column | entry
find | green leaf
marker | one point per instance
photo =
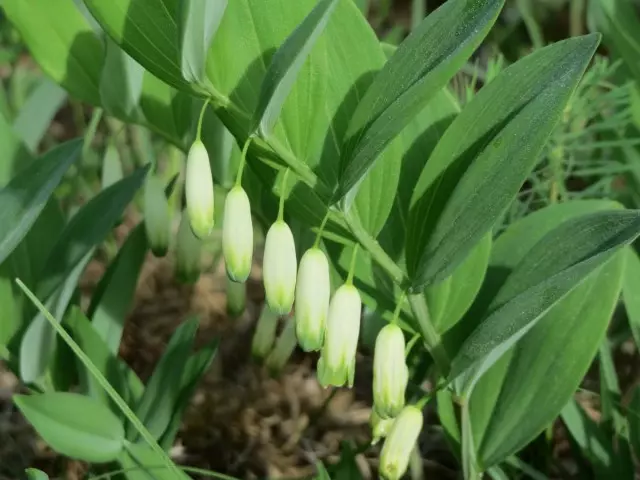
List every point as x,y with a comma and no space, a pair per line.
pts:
13,154
196,367
120,82
36,114
478,167
161,395
35,474
112,298
633,416
115,370
555,265
142,463
443,43
286,63
199,20
88,228
73,425
62,42
27,193
111,166
631,292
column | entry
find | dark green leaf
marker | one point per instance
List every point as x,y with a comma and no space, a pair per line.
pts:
115,370
559,262
196,367
199,20
633,416
35,474
62,42
631,292
112,298
161,395
286,64
27,193
120,82
73,425
420,67
87,229
486,154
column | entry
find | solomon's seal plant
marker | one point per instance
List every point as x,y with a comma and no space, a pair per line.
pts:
369,150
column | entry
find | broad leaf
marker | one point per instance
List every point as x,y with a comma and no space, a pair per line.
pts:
419,68
115,370
554,266
286,63
161,395
120,82
199,20
73,425
631,292
142,463
486,154
112,298
62,42
27,193
88,228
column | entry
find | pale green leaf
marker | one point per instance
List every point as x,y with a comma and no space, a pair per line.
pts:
120,82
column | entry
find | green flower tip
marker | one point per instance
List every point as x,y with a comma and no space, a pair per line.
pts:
390,372
337,362
237,235
199,190
279,268
400,441
312,299
380,427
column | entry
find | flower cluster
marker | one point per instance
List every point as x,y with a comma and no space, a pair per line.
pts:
330,325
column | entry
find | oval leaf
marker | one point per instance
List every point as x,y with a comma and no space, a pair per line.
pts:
478,166
120,82
73,425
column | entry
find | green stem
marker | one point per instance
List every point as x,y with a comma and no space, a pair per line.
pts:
201,118
530,23
199,471
322,225
411,343
104,383
576,14
243,159
283,188
396,312
352,266
431,336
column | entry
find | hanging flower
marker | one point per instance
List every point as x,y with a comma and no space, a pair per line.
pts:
390,372
400,441
237,235
279,268
199,190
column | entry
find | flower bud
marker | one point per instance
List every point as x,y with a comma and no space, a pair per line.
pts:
380,427
157,218
312,299
283,349
337,362
390,372
265,333
199,190
279,268
188,253
237,235
400,441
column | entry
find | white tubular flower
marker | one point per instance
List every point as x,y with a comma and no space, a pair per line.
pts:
188,253
312,299
279,268
380,427
199,190
337,362
400,441
390,372
157,217
237,235
265,333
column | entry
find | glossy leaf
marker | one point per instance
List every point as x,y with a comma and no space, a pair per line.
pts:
161,395
559,262
27,193
199,20
62,42
35,474
419,68
37,113
195,369
115,370
286,63
478,167
87,229
120,82
74,425
631,292
113,296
